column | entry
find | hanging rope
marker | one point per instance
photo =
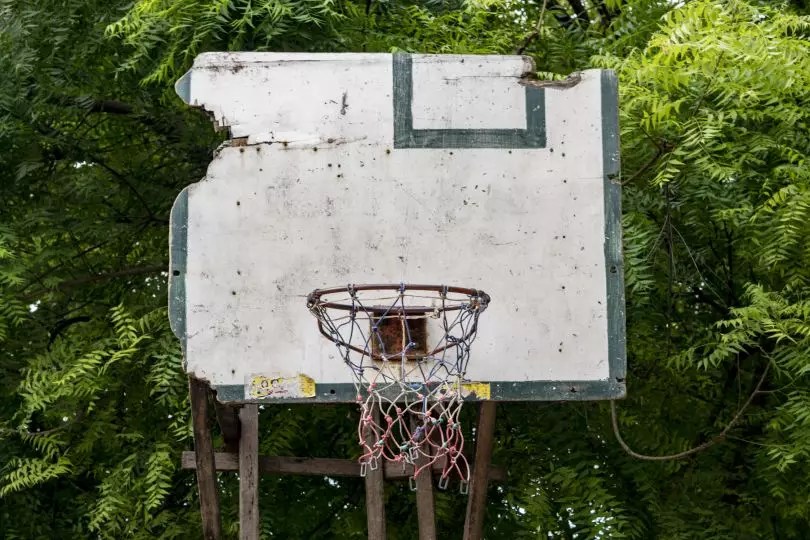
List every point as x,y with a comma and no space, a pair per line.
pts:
716,439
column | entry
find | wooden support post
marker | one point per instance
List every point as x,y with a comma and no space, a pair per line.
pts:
477,502
375,497
204,461
249,473
425,508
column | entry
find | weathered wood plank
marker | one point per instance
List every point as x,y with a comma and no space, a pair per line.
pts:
375,497
204,461
249,473
284,466
298,466
228,420
477,502
425,508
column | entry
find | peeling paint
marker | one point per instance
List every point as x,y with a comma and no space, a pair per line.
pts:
569,82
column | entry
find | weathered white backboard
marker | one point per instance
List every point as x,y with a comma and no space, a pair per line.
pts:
378,168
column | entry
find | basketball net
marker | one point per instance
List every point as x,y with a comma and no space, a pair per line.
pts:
409,380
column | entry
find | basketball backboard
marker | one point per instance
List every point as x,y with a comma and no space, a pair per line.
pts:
379,168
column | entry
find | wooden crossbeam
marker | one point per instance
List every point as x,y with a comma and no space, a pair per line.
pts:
240,433
298,466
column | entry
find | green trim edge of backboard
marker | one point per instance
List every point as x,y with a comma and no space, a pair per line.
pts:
178,242
614,256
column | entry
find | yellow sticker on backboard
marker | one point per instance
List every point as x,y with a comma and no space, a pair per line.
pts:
307,386
481,390
264,387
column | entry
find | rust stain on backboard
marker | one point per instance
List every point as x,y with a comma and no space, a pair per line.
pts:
394,333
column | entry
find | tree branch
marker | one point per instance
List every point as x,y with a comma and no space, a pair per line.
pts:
581,12
111,106
77,417
86,280
153,269
63,325
39,278
60,153
719,437
604,13
732,297
124,180
703,297
644,168
535,32
560,14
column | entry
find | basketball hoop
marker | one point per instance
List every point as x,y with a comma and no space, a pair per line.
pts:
407,347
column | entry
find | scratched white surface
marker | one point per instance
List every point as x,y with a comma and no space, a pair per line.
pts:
272,221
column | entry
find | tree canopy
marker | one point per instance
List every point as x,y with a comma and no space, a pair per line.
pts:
94,146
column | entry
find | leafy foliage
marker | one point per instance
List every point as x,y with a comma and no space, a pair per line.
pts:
714,115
